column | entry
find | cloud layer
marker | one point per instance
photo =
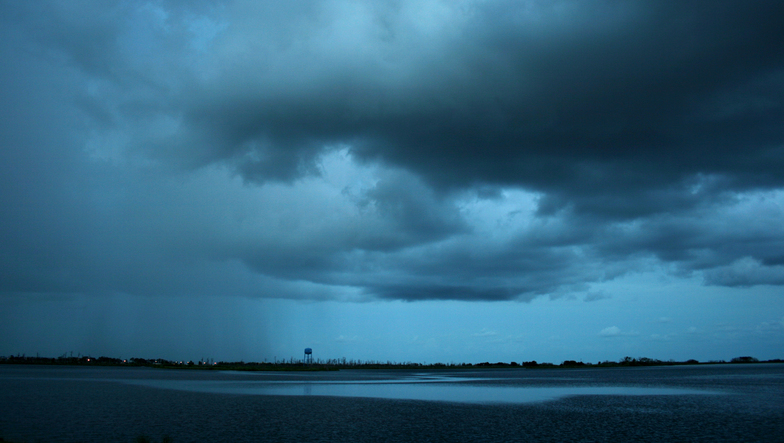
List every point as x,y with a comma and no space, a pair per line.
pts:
396,150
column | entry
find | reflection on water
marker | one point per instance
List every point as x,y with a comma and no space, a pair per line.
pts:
417,387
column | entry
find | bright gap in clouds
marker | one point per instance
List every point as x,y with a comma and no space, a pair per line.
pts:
357,231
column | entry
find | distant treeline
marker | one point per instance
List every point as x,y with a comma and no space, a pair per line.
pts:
642,361
336,364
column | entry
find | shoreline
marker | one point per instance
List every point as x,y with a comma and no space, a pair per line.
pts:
336,366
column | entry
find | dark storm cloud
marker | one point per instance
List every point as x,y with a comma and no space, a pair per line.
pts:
616,110
578,99
639,126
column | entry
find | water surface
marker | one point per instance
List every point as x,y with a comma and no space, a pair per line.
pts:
114,404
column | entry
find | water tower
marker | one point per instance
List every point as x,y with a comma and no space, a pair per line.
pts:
308,356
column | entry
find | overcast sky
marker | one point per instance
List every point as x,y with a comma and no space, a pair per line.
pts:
455,181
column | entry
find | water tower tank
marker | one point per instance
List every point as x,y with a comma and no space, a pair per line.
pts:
308,351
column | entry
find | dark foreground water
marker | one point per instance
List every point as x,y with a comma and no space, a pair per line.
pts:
687,403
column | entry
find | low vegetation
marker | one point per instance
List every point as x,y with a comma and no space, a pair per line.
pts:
146,439
139,439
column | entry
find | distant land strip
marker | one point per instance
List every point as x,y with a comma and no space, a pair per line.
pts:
342,363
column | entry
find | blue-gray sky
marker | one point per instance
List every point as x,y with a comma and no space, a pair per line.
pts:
396,180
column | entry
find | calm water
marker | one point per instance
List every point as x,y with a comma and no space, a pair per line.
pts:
686,403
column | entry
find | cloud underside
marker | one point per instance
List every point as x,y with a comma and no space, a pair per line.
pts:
471,151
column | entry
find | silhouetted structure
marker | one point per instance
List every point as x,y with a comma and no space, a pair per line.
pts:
308,356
